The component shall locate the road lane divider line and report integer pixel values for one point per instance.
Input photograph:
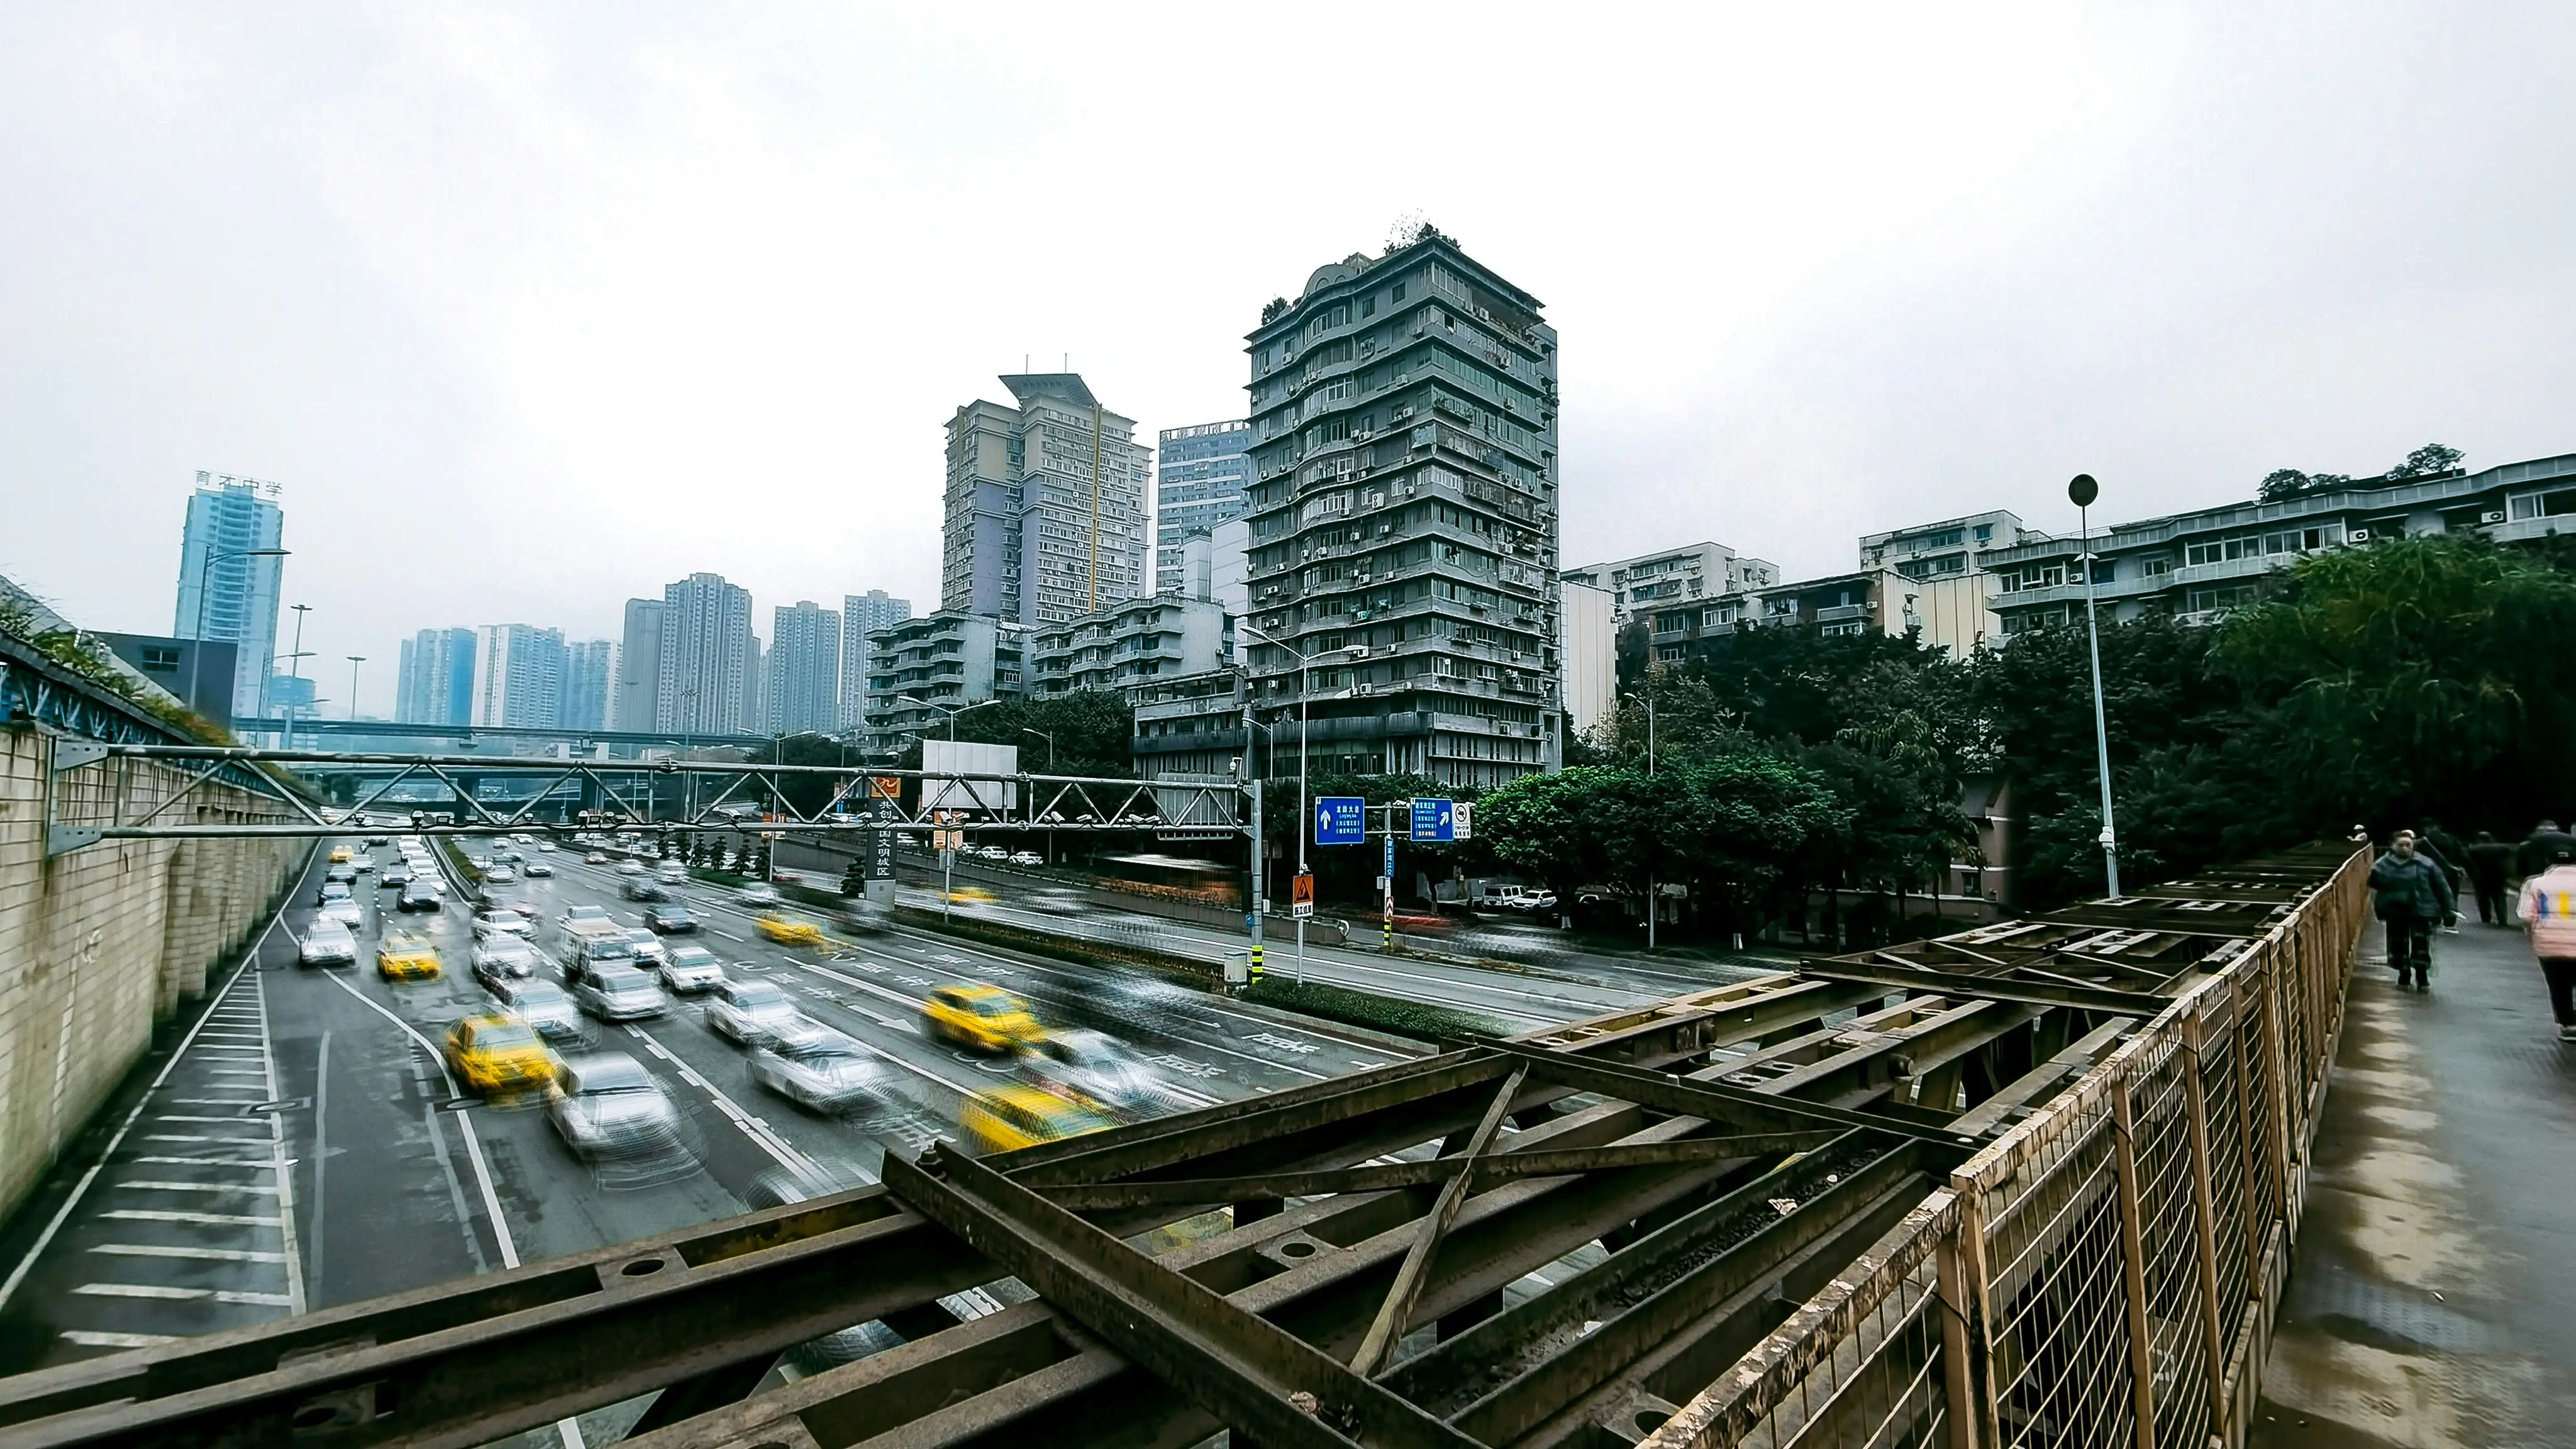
(280, 1165)
(165, 1250)
(761, 1133)
(173, 1215)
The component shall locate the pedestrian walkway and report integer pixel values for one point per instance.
(2433, 1301)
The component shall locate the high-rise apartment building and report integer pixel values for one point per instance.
(1200, 474)
(862, 615)
(518, 676)
(590, 671)
(1673, 578)
(1045, 505)
(705, 682)
(224, 592)
(1404, 516)
(634, 704)
(804, 686)
(434, 681)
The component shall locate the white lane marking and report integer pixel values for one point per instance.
(146, 1186)
(216, 1046)
(173, 1215)
(279, 1163)
(235, 1072)
(80, 1189)
(233, 1121)
(90, 1338)
(728, 935)
(163, 1250)
(155, 1290)
(185, 1137)
(208, 1162)
(760, 1133)
(249, 1101)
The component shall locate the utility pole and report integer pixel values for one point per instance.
(354, 661)
(295, 664)
(1253, 907)
(2083, 490)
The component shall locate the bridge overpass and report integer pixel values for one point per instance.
(311, 731)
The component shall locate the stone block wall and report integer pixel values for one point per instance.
(99, 944)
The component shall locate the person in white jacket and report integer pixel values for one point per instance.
(2548, 910)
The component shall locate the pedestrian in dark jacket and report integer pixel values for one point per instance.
(2538, 851)
(2490, 861)
(2454, 855)
(2414, 895)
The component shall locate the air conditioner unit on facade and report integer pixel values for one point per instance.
(2357, 535)
(2492, 515)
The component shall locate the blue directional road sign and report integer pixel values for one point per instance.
(1341, 820)
(1434, 820)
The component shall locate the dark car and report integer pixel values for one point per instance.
(640, 889)
(671, 919)
(416, 897)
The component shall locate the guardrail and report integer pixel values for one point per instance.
(2105, 1273)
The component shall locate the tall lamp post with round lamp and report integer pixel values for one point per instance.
(2082, 490)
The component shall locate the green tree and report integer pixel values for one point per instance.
(2281, 483)
(2428, 461)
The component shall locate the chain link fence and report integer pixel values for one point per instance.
(2106, 1272)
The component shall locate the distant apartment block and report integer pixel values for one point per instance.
(434, 678)
(1948, 549)
(705, 681)
(1201, 473)
(590, 669)
(518, 676)
(1189, 724)
(1404, 517)
(2196, 566)
(1120, 649)
(804, 680)
(1672, 578)
(1044, 510)
(224, 592)
(1945, 613)
(634, 700)
(924, 668)
(861, 616)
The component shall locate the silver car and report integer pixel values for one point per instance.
(821, 1069)
(327, 944)
(500, 957)
(749, 1012)
(541, 1004)
(1088, 1066)
(489, 924)
(692, 969)
(617, 993)
(648, 949)
(608, 1106)
(345, 911)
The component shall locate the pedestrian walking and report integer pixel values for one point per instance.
(2454, 856)
(2490, 861)
(2549, 914)
(2537, 852)
(2414, 896)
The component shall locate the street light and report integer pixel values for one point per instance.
(1050, 739)
(1654, 906)
(2082, 490)
(295, 670)
(952, 710)
(1305, 688)
(197, 654)
(354, 661)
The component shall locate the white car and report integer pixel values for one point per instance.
(821, 1069)
(1089, 1067)
(607, 1105)
(692, 969)
(630, 867)
(500, 957)
(648, 948)
(576, 916)
(343, 912)
(758, 894)
(327, 943)
(536, 868)
(501, 923)
(500, 875)
(546, 847)
(1027, 857)
(595, 858)
(617, 993)
(749, 1012)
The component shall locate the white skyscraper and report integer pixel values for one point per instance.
(1045, 505)
(518, 676)
(804, 669)
(224, 592)
(862, 615)
(704, 684)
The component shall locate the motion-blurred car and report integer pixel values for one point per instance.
(1056, 900)
(758, 893)
(648, 948)
(1089, 1067)
(541, 1004)
(750, 1012)
(332, 890)
(407, 957)
(671, 919)
(345, 910)
(596, 857)
(1007, 1117)
(643, 888)
(692, 969)
(498, 958)
(498, 1054)
(986, 1018)
(821, 1069)
(790, 930)
(575, 916)
(536, 868)
(617, 993)
(547, 846)
(670, 872)
(1027, 857)
(967, 895)
(327, 943)
(339, 855)
(630, 867)
(376, 840)
(500, 923)
(396, 874)
(608, 1106)
(363, 864)
(417, 896)
(499, 875)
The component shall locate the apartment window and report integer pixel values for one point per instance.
(1368, 306)
(2545, 505)
(1399, 291)
(160, 658)
(1985, 533)
(2228, 596)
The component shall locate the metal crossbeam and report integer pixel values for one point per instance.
(1389, 1323)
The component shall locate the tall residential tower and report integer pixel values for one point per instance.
(862, 615)
(704, 682)
(224, 593)
(1200, 473)
(804, 686)
(1404, 516)
(1045, 505)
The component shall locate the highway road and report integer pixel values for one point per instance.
(303, 1145)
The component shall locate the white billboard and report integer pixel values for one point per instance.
(967, 758)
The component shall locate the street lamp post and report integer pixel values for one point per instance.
(2082, 490)
(947, 878)
(1050, 739)
(1305, 688)
(196, 655)
(295, 668)
(1654, 904)
(354, 661)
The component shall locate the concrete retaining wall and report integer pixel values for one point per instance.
(99, 944)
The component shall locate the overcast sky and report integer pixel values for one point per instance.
(533, 308)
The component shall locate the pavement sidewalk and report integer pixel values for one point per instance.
(2433, 1299)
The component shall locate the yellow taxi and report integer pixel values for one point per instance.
(340, 855)
(406, 958)
(498, 1054)
(969, 896)
(790, 930)
(986, 1018)
(1007, 1117)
